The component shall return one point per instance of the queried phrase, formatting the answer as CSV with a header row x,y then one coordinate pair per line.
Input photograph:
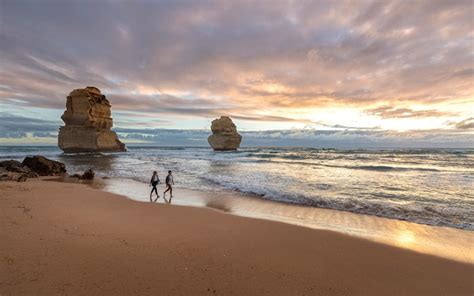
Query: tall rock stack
x,y
88,123
224,135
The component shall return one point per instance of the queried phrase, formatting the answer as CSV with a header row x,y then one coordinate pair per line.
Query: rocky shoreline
x,y
30,167
37,166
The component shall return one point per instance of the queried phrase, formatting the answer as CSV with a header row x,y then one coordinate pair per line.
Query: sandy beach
x,y
71,239
312,147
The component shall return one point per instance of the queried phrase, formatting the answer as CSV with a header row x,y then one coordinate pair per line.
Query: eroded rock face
x,y
44,166
31,167
15,170
17,167
11,176
224,135
88,174
88,123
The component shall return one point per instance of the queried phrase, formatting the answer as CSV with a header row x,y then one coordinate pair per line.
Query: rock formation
x,y
224,134
17,167
88,174
88,123
11,170
31,167
44,166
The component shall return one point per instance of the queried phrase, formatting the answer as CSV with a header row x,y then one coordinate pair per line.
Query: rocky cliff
x,y
224,134
88,123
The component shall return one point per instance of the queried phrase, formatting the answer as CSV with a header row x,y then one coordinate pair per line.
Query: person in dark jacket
x,y
155,180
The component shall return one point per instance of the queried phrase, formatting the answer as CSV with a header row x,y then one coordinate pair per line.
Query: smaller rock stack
x,y
88,123
224,135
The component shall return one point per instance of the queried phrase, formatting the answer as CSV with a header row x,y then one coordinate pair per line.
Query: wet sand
x,y
70,239
444,242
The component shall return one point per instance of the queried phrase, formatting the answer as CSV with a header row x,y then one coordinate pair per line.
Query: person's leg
x,y
167,189
154,189
171,191
151,192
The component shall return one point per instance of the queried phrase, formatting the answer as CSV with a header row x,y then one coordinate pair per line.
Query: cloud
x,y
14,129
391,112
267,54
465,124
12,126
329,64
309,138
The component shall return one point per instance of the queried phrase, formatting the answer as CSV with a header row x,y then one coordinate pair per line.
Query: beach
x,y
425,186
73,239
312,148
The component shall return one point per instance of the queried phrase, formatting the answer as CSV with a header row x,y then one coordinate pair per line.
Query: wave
x,y
384,168
418,213
378,160
132,148
271,155
441,151
380,168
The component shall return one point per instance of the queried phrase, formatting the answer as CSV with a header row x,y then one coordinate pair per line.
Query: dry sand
x,y
70,239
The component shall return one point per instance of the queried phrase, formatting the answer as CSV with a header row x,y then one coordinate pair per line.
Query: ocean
x,y
433,187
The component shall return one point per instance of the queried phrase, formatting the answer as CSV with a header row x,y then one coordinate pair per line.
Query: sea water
x,y
424,186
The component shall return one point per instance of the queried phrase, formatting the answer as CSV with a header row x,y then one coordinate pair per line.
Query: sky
x,y
319,73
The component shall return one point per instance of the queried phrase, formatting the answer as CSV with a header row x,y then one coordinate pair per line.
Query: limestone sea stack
x,y
88,123
224,135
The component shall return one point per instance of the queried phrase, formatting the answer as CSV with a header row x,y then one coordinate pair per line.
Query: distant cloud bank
x,y
15,127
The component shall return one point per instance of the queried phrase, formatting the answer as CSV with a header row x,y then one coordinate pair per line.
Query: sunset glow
x,y
385,66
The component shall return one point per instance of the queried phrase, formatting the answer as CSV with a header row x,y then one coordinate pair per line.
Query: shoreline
x,y
241,194
67,238
373,193
446,242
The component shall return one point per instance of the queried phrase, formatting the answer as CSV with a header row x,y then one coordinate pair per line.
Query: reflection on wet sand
x,y
440,241
167,201
220,205
406,238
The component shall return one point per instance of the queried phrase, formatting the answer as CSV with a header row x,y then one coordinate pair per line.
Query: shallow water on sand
x,y
444,242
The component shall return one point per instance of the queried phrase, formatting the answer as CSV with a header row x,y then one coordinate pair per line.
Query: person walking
x,y
155,180
169,183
